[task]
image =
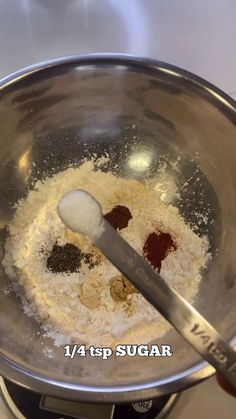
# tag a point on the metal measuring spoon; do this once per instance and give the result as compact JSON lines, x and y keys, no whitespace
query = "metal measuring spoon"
{"x":83,"y":214}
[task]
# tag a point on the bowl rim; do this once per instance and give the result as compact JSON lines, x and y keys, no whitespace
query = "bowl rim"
{"x":125,"y":393}
{"x":119,"y":58}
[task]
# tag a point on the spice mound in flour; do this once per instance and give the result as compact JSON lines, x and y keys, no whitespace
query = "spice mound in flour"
{"x":76,"y":305}
{"x":68,"y":258}
{"x":120,"y":288}
{"x":156,"y":248}
{"x":65,"y":258}
{"x":119,"y":217}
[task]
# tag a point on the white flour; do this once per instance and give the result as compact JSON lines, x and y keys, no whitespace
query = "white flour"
{"x":57,"y":299}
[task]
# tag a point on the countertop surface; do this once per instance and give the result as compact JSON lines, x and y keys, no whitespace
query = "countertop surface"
{"x":198,"y":35}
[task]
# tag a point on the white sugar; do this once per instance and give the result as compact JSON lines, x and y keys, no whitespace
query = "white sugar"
{"x":81,"y":213}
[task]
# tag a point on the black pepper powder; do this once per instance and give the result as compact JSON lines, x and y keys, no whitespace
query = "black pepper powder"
{"x":65,"y":258}
{"x":68,"y":258}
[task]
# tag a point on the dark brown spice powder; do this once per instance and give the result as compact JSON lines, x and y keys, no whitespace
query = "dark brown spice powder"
{"x":119,"y":217}
{"x":156,"y":248}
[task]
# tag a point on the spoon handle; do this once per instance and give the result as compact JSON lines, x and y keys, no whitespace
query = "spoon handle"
{"x":182,"y":315}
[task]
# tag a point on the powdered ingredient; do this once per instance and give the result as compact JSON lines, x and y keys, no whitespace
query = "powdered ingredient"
{"x":81,"y":213}
{"x":78,"y":306}
{"x":65,"y":258}
{"x":68,"y":258}
{"x":156,"y":248}
{"x":119,"y":217}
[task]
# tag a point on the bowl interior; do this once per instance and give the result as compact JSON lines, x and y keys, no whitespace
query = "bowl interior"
{"x":61,"y":114}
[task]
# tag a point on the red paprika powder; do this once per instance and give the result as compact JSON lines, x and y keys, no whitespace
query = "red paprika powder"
{"x":119,"y":217}
{"x":156,"y":248}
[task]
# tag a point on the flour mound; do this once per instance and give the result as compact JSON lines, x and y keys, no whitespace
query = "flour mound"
{"x":78,"y":307}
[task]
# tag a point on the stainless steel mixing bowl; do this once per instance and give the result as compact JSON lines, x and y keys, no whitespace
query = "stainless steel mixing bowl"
{"x":148,"y":116}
